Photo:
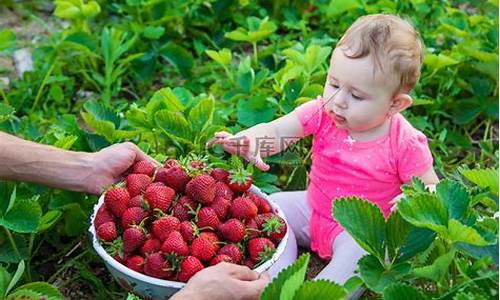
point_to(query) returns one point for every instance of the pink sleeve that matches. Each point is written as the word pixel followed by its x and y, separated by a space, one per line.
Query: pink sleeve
pixel 415 157
pixel 310 116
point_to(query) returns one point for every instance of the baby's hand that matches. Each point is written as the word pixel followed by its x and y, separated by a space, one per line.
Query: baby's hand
pixel 240 145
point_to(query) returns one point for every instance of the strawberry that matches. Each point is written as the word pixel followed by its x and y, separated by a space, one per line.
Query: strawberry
pixel 174 177
pixel 115 249
pixel 220 174
pixel 274 227
pixel 183 207
pixel 157 184
pixel 136 201
pixel 171 163
pixel 156 266
pixel 260 249
pixel 233 251
pixel 144 167
pixel 220 258
pixel 102 216
pixel 201 189
pixel 249 263
pixel 133 216
pixel 133 238
pixel 116 200
pixel 190 265
pixel 208 218
pixel 252 229
pixel 262 204
pixel 221 207
pixel 164 225
pixel 159 197
pixel 202 249
pixel 212 237
pixel 137 183
pixel 136 263
pixel 240 180
pixel 151 245
pixel 187 230
pixel 223 190
pixel 232 230
pixel 107 231
pixel 243 209
pixel 174 243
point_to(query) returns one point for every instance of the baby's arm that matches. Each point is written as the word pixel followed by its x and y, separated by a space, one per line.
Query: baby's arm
pixel 262 140
pixel 429 178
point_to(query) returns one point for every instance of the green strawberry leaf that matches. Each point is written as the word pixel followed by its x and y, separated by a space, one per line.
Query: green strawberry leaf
pixel 320 289
pixel 376 276
pixel 486 178
pixel 288 281
pixel 396 232
pixel 24 216
pixel 44 289
pixel 200 116
pixel 400 290
pixel 437 270
pixel 455 197
pixel 424 210
pixel 174 125
pixel 459 232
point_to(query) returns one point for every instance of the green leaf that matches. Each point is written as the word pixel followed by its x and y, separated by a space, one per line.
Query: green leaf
pixel 288 281
pixel 174 125
pixel 48 220
pixel 459 232
pixel 455 197
pixel 363 221
pixel 396 232
pixel 25 295
pixel 320 289
pixel 485 178
pixel 298 179
pixel 44 289
pixel 6 112
pixel 257 30
pixel 397 291
pixel 7 252
pixel 255 110
pixel 153 32
pixel 83 39
pixel 418 240
pixel 16 277
pixel 103 128
pixel 200 116
pixel 102 113
pixel 7 39
pixel 179 57
pixel 315 56
pixel 163 99
pixel 338 7
pixel 438 269
pixel 424 210
pixel 376 277
pixel 436 62
pixel 5 279
pixel 75 220
pixel 223 56
pixel 479 252
pixel 12 199
pixel 23 217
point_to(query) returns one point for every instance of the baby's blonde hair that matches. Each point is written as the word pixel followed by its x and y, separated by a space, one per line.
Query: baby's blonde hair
pixel 389 39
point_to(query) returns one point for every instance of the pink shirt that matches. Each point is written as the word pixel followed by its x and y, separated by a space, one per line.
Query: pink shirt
pixel 341 167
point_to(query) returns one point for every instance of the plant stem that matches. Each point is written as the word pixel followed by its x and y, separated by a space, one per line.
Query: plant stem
pixel 4 96
pixel 65 266
pixel 44 82
pixel 13 243
pixel 255 55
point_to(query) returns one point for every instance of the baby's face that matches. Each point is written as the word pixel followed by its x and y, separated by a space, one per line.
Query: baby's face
pixel 361 95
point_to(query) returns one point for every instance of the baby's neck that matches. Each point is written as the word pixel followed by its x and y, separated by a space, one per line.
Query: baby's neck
pixel 372 134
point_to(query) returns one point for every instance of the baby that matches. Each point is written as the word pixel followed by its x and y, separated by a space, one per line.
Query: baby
pixel 362 145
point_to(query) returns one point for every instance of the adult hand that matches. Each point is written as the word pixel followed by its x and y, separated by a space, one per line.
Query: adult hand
pixel 110 163
pixel 224 281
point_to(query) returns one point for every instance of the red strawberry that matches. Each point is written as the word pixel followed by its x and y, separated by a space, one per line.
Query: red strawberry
pixel 190 265
pixel 221 207
pixel 133 238
pixel 212 237
pixel 252 229
pixel 175 177
pixel 187 231
pixel 220 258
pixel 137 183
pixel 274 227
pixel 133 216
pixel 135 201
pixel 240 180
pixel 157 184
pixel 159 197
pixel 220 174
pixel 262 204
pixel 223 190
pixel 202 249
pixel 116 200
pixel 164 225
pixel 201 189
pixel 136 263
pixel 171 163
pixel 232 230
pixel 102 216
pixel 260 249
pixel 174 243
pixel 144 167
pixel 243 209
pixel 249 263
pixel 151 245
pixel 208 218
pixel 157 266
pixel 183 207
pixel 232 251
pixel 107 231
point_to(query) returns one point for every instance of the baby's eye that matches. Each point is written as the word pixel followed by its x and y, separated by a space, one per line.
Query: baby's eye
pixel 357 97
pixel 335 86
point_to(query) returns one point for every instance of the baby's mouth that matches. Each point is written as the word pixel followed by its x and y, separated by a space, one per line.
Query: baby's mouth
pixel 339 119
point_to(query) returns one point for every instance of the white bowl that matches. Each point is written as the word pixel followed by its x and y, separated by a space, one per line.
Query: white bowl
pixel 154 288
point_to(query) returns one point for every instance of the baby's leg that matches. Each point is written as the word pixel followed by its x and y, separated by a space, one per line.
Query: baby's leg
pixel 297 213
pixel 346 253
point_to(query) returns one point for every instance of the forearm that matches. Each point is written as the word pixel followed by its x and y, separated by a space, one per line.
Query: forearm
pixel 27 161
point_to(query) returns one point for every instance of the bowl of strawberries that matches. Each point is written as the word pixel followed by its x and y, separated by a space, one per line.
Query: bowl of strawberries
pixel 161 225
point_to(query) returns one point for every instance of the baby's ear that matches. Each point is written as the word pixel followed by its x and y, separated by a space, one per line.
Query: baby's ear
pixel 400 102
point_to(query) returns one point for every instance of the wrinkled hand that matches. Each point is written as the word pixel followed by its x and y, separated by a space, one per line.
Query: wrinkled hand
pixel 224 281
pixel 110 163
pixel 240 145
